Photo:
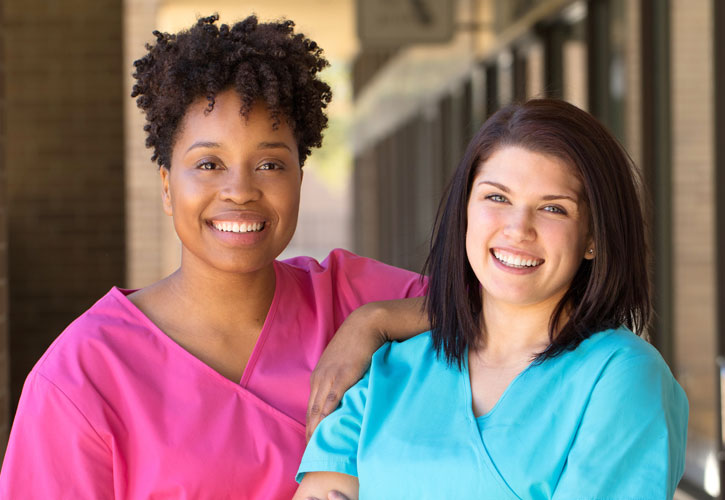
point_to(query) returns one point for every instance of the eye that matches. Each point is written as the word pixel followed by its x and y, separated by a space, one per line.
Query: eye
pixel 270 165
pixel 207 165
pixel 496 198
pixel 554 209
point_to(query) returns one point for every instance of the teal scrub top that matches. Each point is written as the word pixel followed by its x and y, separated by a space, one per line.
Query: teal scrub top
pixel 604 421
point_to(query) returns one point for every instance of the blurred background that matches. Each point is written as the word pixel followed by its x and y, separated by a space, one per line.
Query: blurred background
pixel 413 80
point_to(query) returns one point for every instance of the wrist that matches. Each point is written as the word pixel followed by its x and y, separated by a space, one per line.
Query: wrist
pixel 372 318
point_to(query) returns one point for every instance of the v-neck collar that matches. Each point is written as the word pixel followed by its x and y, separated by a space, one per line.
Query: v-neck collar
pixel 266 327
pixel 473 429
pixel 121 295
pixel 509 388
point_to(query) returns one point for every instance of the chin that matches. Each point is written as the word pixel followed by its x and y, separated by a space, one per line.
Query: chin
pixel 521 298
pixel 241 265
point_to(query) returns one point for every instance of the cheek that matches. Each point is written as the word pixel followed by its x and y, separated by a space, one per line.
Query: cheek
pixel 293 200
pixel 292 195
pixel 482 224
pixel 571 241
pixel 470 248
pixel 477 238
pixel 287 200
pixel 181 201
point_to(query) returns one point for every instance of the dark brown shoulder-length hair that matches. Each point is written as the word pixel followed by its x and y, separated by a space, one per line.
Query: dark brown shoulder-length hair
pixel 610 290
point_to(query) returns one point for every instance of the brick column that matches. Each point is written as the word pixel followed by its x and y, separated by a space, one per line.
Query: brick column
pixel 4 366
pixel 693 214
pixel 64 166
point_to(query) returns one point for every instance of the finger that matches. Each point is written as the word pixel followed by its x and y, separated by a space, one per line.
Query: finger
pixel 320 410
pixel 332 398
pixel 315 405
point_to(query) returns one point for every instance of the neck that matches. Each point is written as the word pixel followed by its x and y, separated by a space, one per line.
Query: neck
pixel 523 337
pixel 226 301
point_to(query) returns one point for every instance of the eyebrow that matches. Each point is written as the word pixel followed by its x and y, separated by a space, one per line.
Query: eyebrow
pixel 203 144
pixel 548 197
pixel 273 145
pixel 261 145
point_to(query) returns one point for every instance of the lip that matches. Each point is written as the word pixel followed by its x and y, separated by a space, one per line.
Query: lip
pixel 233 239
pixel 518 253
pixel 237 216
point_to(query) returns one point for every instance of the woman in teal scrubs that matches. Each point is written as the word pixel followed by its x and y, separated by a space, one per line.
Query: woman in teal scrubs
pixel 531 383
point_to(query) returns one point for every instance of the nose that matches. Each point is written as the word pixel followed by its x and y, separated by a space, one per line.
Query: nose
pixel 240 186
pixel 519 226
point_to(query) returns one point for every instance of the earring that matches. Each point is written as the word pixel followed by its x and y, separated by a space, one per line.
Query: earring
pixel 590 251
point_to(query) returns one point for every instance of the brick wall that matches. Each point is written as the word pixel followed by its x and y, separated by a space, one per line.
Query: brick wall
pixel 4 368
pixel 693 212
pixel 150 236
pixel 64 166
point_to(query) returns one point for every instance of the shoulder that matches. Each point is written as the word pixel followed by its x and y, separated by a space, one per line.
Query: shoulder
pixel 627 364
pixel 367 279
pixel 619 349
pixel 104 330
pixel 413 348
pixel 341 260
pixel 634 417
pixel 620 339
pixel 399 361
pixel 619 369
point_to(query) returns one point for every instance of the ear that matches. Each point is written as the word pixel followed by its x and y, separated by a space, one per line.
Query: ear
pixel 165 192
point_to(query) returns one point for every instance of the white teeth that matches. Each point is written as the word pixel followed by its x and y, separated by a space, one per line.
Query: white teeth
pixel 516 260
pixel 237 227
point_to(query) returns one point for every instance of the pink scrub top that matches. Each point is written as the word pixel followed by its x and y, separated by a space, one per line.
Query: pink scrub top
pixel 116 409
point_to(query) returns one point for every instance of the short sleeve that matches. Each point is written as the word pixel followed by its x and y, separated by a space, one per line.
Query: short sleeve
pixel 53 451
pixel 334 444
pixel 359 280
pixel 631 440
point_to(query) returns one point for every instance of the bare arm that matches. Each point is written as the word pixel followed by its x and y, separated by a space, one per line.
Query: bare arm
pixel 327 486
pixel 348 355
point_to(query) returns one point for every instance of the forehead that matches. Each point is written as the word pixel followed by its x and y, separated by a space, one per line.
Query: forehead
pixel 227 112
pixel 226 131
pixel 521 169
pixel 224 123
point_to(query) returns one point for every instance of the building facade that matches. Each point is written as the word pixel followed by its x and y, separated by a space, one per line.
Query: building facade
pixel 651 70
pixel 79 203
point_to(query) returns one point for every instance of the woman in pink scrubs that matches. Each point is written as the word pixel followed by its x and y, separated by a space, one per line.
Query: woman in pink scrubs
pixel 197 386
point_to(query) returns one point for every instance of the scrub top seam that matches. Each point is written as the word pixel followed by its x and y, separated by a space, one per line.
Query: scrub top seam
pixel 77 408
pixel 482 455
pixel 266 328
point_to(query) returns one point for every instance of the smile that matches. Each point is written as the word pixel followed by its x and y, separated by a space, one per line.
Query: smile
pixel 516 261
pixel 239 227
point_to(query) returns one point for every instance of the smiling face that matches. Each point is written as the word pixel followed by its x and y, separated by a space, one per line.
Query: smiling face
pixel 527 227
pixel 233 188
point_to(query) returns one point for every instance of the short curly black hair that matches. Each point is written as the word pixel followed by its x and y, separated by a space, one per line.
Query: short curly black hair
pixel 266 61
